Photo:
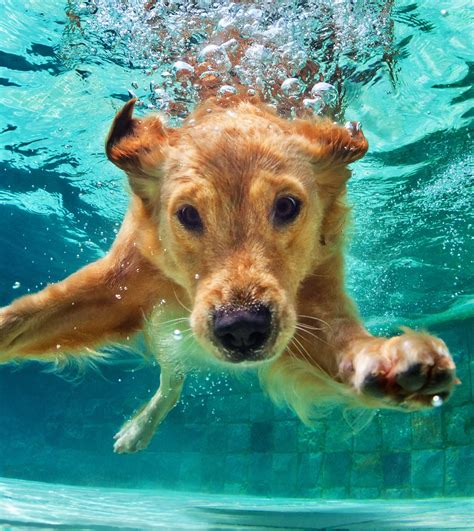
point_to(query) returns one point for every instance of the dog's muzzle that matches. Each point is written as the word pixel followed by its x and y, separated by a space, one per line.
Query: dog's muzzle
pixel 242 332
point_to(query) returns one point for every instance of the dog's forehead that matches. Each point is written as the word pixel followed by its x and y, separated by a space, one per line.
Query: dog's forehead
pixel 234 148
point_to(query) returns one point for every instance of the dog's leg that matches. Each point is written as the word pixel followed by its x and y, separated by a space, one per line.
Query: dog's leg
pixel 105 301
pixel 411 370
pixel 136 433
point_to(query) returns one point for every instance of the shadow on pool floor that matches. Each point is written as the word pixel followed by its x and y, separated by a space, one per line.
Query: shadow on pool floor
pixel 28 504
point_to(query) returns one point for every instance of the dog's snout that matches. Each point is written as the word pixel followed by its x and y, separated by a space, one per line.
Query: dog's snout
pixel 243 331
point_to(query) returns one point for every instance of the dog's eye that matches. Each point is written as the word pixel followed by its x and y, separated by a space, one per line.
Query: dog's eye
pixel 190 219
pixel 286 209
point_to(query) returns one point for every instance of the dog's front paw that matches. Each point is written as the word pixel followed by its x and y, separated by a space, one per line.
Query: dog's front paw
pixel 135 435
pixel 413 370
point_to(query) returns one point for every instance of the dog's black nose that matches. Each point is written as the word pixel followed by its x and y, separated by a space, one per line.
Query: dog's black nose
pixel 242 331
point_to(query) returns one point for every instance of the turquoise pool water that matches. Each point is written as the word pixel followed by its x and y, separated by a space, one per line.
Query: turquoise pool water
pixel 404 69
pixel 24 504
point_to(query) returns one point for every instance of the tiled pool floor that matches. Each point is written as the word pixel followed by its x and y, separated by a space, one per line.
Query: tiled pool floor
pixel 28 504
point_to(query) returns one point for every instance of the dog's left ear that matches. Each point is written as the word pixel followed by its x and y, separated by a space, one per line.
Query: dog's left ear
pixel 331 146
pixel 137 146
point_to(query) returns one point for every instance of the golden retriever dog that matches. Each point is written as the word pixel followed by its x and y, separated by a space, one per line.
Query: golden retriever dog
pixel 235 230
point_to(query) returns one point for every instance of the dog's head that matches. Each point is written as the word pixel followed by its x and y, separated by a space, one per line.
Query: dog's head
pixel 242 202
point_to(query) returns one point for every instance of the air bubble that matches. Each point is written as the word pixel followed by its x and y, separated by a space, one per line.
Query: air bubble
pixel 326 92
pixel 314 104
pixel 225 22
pixel 437 401
pixel 227 90
pixel 177 334
pixel 231 45
pixel 118 296
pixel 196 276
pixel 182 70
pixel 16 285
pixel 216 56
pixel 292 87
pixel 281 43
pixel 257 53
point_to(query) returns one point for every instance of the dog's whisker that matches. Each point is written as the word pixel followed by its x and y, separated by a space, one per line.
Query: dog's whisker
pixel 292 354
pixel 316 319
pixel 181 304
pixel 173 321
pixel 307 332
pixel 295 356
pixel 309 358
pixel 304 353
pixel 314 335
pixel 308 327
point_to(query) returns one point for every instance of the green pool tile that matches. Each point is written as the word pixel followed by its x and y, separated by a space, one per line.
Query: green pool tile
pixel 335 493
pixel 191 470
pixel 309 470
pixel 365 493
pixel 336 469
pixel 260 473
pixel 285 436
pixel 217 438
pixel 197 435
pixel 238 438
pixel 459 425
pixel 311 439
pixel 338 435
pixel 462 393
pixel 369 439
pixel 396 470
pixel 236 472
pixel 427 429
pixel 213 472
pixel 460 471
pixel 312 493
pixel 396 430
pixel 238 407
pixel 261 407
pixel 216 409
pixel 228 408
pixel 396 494
pixel 283 413
pixel 427 469
pixel 195 408
pixel 284 474
pixel 435 491
pixel 261 436
pixel 366 470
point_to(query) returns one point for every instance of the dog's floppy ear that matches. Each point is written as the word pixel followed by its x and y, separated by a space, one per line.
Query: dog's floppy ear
pixel 331 147
pixel 137 146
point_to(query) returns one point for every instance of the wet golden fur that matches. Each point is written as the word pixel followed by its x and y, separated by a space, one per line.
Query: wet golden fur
pixel 230 160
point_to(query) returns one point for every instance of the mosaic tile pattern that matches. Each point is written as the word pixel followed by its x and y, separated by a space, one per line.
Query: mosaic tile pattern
pixel 233 440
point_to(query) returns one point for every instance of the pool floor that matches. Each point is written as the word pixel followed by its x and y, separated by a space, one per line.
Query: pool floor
pixel 28 504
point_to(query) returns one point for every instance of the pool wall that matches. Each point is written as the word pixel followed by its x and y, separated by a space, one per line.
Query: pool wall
pixel 225 436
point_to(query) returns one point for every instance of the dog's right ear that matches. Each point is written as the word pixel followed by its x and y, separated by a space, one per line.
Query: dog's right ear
pixel 137 146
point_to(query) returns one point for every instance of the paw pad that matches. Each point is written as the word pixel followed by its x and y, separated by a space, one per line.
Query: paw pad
pixel 413 370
